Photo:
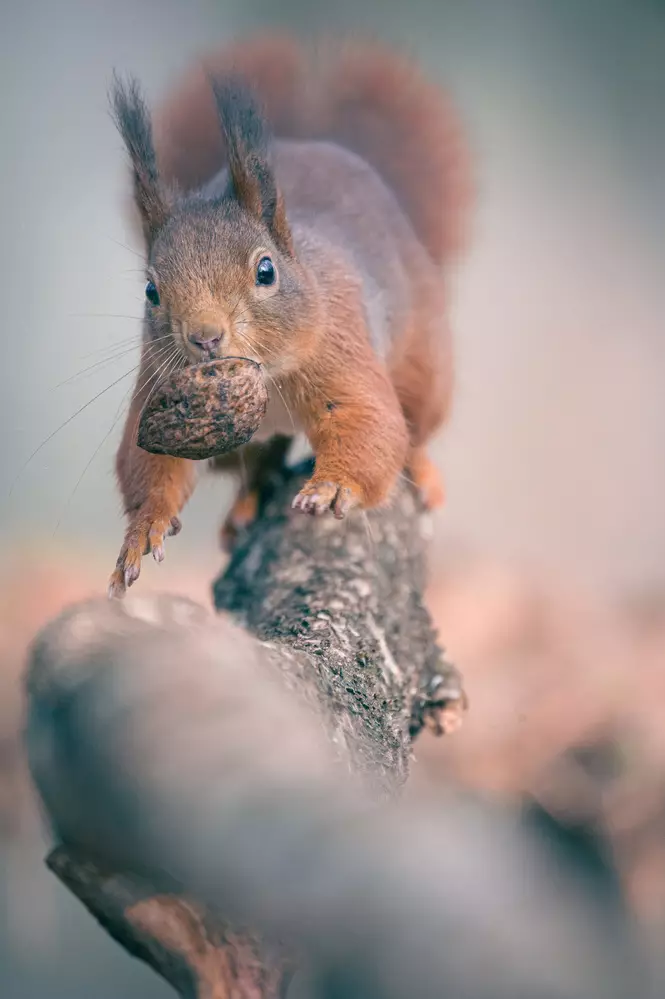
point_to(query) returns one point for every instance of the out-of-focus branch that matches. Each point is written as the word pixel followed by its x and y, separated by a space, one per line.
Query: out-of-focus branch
pixel 199 956
pixel 174 745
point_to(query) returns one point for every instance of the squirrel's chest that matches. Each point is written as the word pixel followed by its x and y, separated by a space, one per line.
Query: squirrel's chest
pixel 279 418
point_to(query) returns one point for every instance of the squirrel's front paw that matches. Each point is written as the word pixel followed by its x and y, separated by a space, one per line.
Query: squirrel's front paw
pixel 316 497
pixel 146 533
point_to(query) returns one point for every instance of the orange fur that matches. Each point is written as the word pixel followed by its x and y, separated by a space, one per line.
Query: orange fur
pixel 427 479
pixel 361 205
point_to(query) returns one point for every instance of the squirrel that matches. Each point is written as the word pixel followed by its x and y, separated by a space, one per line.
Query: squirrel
pixel 298 207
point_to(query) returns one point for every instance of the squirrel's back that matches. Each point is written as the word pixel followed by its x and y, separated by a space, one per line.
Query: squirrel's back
pixel 359 96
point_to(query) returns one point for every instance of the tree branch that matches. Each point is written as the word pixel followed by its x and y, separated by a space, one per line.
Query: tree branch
pixel 201 957
pixel 338 613
pixel 349 596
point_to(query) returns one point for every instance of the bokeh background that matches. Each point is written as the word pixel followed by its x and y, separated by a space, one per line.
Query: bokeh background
pixel 548 564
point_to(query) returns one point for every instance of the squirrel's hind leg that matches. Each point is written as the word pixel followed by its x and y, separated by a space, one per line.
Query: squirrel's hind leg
pixel 427 478
pixel 257 465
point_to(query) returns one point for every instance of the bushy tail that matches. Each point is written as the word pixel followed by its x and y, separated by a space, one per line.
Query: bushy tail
pixel 362 96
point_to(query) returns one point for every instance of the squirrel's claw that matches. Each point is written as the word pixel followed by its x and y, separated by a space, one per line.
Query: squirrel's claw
pixel 318 497
pixel 117 588
pixel 146 533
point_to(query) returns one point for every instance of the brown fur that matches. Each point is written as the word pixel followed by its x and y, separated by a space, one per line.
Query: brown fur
pixel 359 94
pixel 358 203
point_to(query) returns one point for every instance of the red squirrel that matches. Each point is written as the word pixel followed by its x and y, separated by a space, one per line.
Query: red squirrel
pixel 298 207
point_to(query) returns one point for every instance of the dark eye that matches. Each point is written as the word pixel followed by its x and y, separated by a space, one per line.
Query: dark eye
pixel 151 293
pixel 265 272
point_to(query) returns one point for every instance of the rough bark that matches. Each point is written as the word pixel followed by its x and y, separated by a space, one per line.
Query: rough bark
pixel 349 596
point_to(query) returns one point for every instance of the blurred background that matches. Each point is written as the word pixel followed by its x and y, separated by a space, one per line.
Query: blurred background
pixel 548 564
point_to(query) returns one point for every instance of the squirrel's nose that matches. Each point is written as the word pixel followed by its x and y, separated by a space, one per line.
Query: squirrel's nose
pixel 205 339
pixel 206 336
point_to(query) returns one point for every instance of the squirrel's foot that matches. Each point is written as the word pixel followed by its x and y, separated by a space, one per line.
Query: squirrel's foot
pixel 316 497
pixel 242 515
pixel 427 479
pixel 146 533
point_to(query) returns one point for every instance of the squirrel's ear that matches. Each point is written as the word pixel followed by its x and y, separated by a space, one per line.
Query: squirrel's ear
pixel 133 121
pixel 247 141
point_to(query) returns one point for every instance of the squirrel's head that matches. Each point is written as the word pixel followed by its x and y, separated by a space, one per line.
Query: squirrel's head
pixel 222 276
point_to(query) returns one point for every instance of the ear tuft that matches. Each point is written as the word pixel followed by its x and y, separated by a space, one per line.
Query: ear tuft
pixel 132 119
pixel 248 143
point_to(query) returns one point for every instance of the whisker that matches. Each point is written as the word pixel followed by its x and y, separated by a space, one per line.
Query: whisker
pixel 237 318
pixel 104 315
pixel 98 364
pixel 156 379
pixel 67 422
pixel 154 376
pixel 253 343
pixel 106 436
pixel 286 407
pixel 368 528
pixel 137 338
pixel 174 355
pixel 126 247
pixel 113 357
pixel 237 303
pixel 249 336
pixel 248 340
pixel 63 512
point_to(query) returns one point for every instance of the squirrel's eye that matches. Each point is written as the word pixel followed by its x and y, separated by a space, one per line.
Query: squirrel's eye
pixel 151 293
pixel 265 271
